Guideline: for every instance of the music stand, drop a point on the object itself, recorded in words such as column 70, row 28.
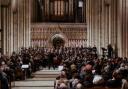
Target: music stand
column 25, row 67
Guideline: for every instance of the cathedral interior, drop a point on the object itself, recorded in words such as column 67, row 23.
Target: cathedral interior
column 49, row 33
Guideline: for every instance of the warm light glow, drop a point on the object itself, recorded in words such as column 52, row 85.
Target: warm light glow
column 80, row 3
column 59, row 7
column 13, row 5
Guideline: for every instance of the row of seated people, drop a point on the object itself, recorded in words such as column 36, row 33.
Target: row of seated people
column 87, row 71
column 88, row 79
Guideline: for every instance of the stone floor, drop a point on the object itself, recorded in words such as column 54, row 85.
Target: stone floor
column 43, row 79
column 33, row 88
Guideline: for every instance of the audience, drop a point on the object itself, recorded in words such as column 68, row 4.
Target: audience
column 3, row 78
column 81, row 67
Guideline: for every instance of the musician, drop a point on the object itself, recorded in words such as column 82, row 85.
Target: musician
column 110, row 51
column 95, row 51
column 103, row 51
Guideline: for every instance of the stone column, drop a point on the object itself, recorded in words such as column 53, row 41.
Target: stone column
column 101, row 22
column 10, row 31
column 122, row 28
column 88, row 12
column 127, row 29
column 24, row 23
column 119, row 37
column 7, row 27
column 15, row 25
column 0, row 17
column 4, row 28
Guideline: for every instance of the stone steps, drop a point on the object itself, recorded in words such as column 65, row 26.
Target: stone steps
column 43, row 79
column 46, row 74
column 33, row 88
column 34, row 83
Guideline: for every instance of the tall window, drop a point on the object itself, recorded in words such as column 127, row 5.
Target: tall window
column 80, row 13
column 58, row 7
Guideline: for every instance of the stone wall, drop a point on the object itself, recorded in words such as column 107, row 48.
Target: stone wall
column 15, row 24
column 123, row 27
column 107, row 24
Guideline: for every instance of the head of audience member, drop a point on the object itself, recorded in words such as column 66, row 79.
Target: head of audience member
column 79, row 86
column 63, row 86
column 116, row 75
column 98, row 80
column 62, row 74
column 88, row 67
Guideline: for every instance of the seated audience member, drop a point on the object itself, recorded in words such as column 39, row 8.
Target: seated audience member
column 73, row 67
column 124, row 84
column 79, row 86
column 74, row 81
column 61, row 79
column 62, row 86
column 116, row 81
column 3, row 79
column 98, row 80
column 88, row 76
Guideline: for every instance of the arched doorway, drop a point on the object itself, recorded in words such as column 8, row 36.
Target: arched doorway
column 58, row 40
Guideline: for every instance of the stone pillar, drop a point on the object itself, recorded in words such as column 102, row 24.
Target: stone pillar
column 10, row 31
column 101, row 22
column 88, row 12
column 7, row 27
column 24, row 23
column 119, row 37
column 4, row 21
column 15, row 23
column 126, row 29
column 123, row 28
column 0, row 17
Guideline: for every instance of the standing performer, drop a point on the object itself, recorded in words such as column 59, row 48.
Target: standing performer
column 110, row 51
